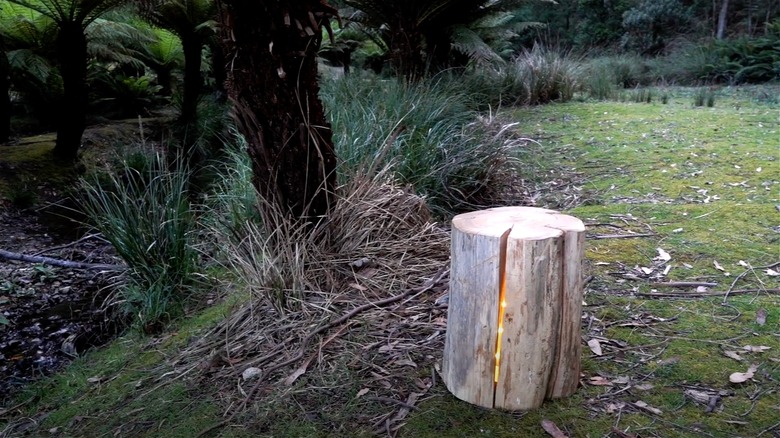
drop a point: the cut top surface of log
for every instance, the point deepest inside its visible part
(525, 222)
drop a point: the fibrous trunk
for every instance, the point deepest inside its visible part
(71, 120)
(192, 47)
(5, 97)
(271, 49)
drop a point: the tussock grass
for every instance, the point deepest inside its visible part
(428, 136)
(144, 211)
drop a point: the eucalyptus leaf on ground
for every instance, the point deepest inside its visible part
(743, 377)
(595, 347)
(761, 316)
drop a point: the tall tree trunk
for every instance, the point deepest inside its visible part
(164, 79)
(724, 11)
(272, 47)
(5, 97)
(71, 119)
(192, 45)
(406, 54)
(218, 68)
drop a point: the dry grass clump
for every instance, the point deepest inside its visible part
(374, 260)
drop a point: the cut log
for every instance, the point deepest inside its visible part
(513, 326)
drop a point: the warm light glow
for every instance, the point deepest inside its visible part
(501, 309)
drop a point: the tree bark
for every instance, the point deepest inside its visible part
(722, 17)
(515, 304)
(192, 45)
(5, 97)
(218, 69)
(9, 255)
(71, 119)
(271, 46)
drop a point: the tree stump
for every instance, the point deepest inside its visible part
(515, 303)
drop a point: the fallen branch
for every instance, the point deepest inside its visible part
(706, 294)
(684, 284)
(620, 236)
(305, 342)
(750, 269)
(67, 245)
(8, 255)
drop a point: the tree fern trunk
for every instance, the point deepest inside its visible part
(71, 119)
(272, 82)
(5, 97)
(192, 47)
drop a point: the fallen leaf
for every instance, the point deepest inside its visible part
(599, 381)
(688, 266)
(297, 373)
(732, 354)
(662, 255)
(743, 377)
(702, 289)
(669, 361)
(362, 392)
(677, 230)
(94, 379)
(405, 362)
(647, 271)
(758, 169)
(621, 380)
(552, 429)
(756, 348)
(718, 266)
(761, 316)
(644, 406)
(698, 396)
(602, 263)
(250, 373)
(358, 287)
(772, 273)
(645, 387)
(744, 264)
(595, 347)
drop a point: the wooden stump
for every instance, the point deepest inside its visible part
(515, 303)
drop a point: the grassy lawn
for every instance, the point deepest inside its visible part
(702, 184)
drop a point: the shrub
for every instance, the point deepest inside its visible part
(149, 221)
(427, 134)
(745, 60)
(704, 96)
(548, 74)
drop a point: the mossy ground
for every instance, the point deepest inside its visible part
(705, 182)
(688, 176)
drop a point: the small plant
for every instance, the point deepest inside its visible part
(549, 74)
(704, 96)
(22, 194)
(599, 82)
(44, 272)
(664, 97)
(642, 95)
(148, 219)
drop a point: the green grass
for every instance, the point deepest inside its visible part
(652, 161)
(116, 391)
(649, 161)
